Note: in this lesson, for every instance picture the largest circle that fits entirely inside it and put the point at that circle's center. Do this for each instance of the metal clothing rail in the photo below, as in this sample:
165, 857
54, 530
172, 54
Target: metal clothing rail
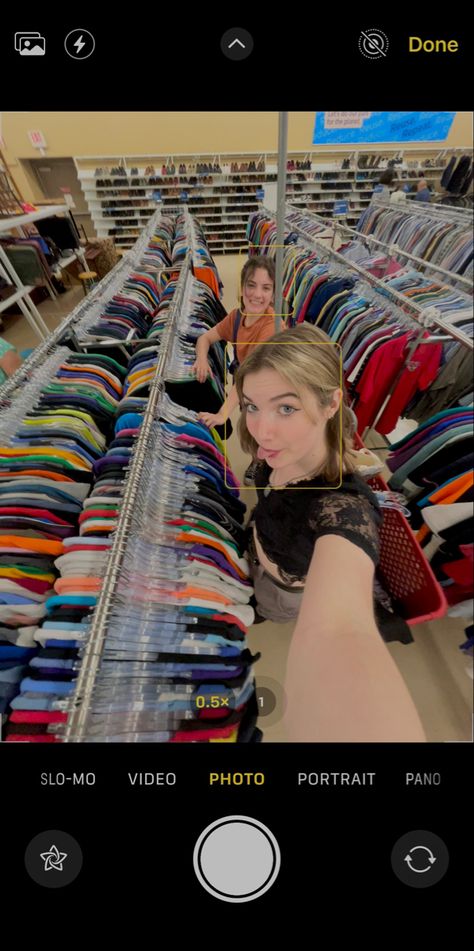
392, 249
44, 349
132, 260
77, 720
331, 224
430, 210
128, 262
426, 316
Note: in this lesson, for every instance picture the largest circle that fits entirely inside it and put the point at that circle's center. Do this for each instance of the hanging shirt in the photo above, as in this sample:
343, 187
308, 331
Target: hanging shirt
4, 348
417, 375
377, 378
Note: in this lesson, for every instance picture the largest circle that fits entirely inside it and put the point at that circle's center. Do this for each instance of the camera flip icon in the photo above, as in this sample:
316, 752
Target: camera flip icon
30, 44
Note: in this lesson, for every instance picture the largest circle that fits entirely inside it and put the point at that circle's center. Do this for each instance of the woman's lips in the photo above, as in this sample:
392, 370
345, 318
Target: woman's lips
267, 453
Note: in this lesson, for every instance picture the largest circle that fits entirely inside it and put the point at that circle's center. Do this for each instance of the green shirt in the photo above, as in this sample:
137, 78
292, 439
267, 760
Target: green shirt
4, 348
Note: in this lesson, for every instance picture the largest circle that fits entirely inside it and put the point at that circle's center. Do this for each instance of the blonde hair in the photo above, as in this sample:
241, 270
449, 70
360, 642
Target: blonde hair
316, 369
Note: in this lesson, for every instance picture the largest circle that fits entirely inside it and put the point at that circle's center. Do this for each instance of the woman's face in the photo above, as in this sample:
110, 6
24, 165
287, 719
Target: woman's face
285, 432
257, 292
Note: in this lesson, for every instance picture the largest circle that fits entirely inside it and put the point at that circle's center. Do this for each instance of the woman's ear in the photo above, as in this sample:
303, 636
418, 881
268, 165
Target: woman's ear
334, 403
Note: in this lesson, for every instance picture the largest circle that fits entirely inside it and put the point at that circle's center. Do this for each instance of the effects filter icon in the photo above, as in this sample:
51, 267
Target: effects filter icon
53, 860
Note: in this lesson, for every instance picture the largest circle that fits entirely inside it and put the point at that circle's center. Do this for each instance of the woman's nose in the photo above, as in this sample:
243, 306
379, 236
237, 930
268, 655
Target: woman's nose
265, 429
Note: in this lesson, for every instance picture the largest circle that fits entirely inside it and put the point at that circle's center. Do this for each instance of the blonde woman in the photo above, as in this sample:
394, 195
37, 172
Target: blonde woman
313, 544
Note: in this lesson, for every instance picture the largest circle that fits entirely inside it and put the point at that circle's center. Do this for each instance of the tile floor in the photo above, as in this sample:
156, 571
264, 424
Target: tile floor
437, 673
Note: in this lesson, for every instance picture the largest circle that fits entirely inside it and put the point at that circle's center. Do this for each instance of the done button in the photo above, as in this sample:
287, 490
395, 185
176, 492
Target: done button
417, 45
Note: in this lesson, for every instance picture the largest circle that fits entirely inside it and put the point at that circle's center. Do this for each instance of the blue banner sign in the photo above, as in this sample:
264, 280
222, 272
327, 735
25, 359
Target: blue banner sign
351, 128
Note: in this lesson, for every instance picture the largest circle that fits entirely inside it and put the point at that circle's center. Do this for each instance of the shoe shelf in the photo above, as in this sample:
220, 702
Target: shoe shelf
224, 186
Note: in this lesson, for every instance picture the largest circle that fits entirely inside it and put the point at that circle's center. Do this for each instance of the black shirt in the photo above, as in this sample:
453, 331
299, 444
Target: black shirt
289, 521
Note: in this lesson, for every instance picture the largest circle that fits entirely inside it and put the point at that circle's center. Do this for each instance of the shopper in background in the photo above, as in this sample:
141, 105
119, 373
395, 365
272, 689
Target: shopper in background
253, 323
381, 191
9, 360
399, 194
422, 191
314, 545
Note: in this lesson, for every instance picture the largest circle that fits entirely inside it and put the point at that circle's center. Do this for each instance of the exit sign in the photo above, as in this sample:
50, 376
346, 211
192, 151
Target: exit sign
37, 139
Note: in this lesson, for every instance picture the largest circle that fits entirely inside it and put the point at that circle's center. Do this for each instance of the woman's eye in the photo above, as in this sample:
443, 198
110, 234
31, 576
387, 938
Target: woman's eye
250, 407
290, 409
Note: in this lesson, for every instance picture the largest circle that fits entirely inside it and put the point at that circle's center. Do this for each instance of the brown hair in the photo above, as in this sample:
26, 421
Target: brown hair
387, 177
314, 368
252, 265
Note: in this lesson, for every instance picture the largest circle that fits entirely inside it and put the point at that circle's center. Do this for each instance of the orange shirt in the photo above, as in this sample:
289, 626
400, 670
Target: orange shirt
447, 495
247, 337
207, 276
43, 545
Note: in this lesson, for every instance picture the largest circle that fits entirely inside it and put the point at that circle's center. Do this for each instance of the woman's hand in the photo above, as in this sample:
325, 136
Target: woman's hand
201, 369
212, 419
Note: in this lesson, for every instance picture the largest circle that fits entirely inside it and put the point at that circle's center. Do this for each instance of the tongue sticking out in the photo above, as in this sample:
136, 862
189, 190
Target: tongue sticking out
261, 453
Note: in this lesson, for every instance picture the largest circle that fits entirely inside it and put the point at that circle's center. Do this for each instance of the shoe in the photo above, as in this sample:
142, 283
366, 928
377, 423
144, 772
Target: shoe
250, 473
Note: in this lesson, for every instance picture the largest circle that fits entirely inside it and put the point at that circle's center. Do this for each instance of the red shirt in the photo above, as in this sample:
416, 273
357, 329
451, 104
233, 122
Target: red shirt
377, 377
419, 373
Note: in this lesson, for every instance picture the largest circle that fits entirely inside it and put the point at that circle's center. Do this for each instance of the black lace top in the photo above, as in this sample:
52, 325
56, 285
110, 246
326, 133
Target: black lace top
289, 521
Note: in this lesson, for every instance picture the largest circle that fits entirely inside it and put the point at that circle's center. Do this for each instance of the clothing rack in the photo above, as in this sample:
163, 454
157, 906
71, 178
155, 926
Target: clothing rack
430, 210
77, 720
426, 316
44, 349
130, 261
391, 249
23, 294
94, 299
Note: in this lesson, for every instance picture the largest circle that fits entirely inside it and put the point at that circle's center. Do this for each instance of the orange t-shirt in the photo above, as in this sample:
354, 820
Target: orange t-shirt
207, 276
262, 329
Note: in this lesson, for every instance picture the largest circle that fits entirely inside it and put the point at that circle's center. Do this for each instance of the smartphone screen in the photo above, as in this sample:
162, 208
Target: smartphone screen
236, 482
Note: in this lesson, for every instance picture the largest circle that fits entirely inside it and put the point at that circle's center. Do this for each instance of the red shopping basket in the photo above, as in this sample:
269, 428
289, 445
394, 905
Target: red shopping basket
403, 569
